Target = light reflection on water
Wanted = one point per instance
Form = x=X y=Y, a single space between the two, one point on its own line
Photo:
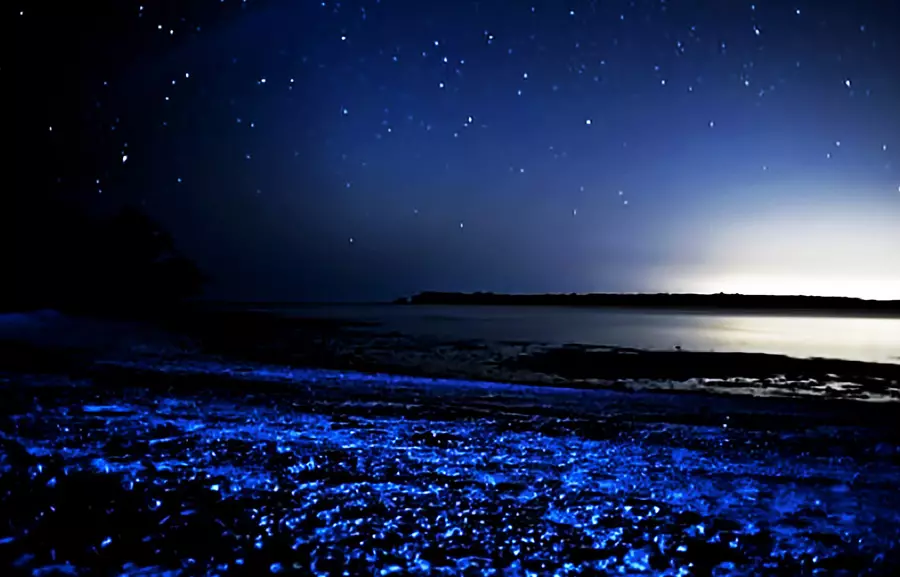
x=800 y=335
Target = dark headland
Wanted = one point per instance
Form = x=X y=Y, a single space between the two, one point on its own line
x=718 y=301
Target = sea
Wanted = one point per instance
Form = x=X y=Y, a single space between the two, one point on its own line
x=803 y=334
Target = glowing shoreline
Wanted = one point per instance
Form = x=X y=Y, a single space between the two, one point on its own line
x=370 y=473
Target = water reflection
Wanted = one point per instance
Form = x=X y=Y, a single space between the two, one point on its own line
x=862 y=338
x=846 y=337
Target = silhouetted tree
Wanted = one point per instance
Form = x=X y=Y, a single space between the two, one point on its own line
x=125 y=264
x=136 y=267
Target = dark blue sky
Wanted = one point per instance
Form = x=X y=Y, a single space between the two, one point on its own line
x=368 y=149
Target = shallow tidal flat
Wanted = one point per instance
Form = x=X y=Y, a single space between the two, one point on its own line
x=360 y=346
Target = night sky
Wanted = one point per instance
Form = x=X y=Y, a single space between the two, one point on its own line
x=306 y=150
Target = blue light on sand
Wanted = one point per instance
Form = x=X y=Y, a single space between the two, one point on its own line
x=363 y=489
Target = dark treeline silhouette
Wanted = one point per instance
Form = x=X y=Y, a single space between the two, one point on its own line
x=125 y=264
x=661 y=300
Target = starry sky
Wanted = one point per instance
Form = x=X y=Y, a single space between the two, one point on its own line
x=367 y=149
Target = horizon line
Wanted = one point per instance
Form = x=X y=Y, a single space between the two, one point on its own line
x=545 y=294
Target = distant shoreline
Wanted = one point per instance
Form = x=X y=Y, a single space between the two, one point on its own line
x=664 y=301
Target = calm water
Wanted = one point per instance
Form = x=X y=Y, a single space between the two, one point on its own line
x=847 y=337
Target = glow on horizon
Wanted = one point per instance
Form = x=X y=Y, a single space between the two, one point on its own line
x=748 y=284
x=835 y=239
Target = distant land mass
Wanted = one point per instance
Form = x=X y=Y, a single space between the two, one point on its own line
x=718 y=301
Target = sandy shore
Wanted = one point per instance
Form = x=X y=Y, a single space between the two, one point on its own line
x=199 y=454
x=234 y=470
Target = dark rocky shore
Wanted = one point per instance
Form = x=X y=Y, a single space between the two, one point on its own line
x=201 y=450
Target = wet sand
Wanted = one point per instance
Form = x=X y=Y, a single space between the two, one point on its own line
x=208 y=470
x=192 y=459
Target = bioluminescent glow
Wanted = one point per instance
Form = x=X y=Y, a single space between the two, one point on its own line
x=275 y=486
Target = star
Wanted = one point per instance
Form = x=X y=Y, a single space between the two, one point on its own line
x=410 y=150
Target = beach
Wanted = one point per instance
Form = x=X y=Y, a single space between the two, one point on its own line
x=254 y=444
